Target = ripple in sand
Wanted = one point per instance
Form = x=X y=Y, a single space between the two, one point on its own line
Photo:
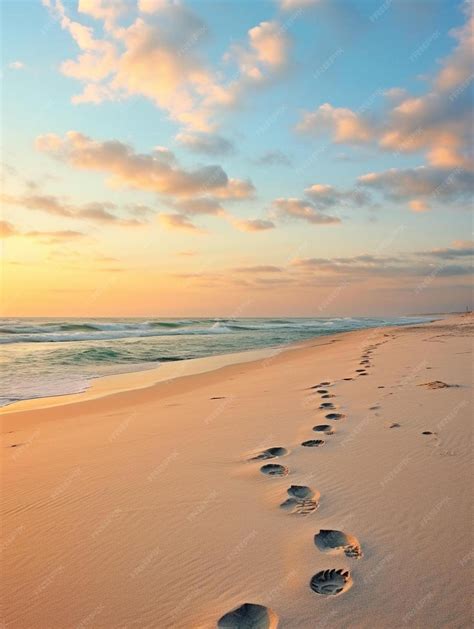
x=331 y=582
x=249 y=616
x=273 y=469
x=331 y=540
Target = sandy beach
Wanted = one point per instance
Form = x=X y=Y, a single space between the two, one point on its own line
x=147 y=506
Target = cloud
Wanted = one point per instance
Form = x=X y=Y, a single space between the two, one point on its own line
x=254 y=225
x=273 y=158
x=367 y=266
x=107 y=10
x=178 y=221
x=50 y=237
x=7 y=229
x=268 y=268
x=438 y=122
x=292 y=5
x=198 y=206
x=303 y=210
x=325 y=196
x=459 y=249
x=16 y=65
x=422 y=184
x=154 y=172
x=419 y=205
x=209 y=144
x=98 y=212
x=158 y=56
x=343 y=124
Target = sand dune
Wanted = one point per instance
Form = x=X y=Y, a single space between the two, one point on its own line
x=148 y=507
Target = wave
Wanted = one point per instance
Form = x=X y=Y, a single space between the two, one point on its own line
x=94 y=330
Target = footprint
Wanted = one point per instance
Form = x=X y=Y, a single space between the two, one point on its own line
x=270 y=453
x=335 y=416
x=394 y=425
x=302 y=500
x=326 y=396
x=220 y=397
x=437 y=384
x=364 y=374
x=326 y=405
x=360 y=370
x=324 y=384
x=331 y=582
x=428 y=432
x=313 y=443
x=326 y=428
x=324 y=391
x=330 y=540
x=273 y=469
x=348 y=378
x=248 y=616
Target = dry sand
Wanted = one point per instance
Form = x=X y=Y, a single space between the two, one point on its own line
x=147 y=507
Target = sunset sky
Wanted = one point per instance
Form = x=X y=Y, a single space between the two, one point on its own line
x=287 y=157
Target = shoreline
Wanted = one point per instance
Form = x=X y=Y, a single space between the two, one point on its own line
x=101 y=386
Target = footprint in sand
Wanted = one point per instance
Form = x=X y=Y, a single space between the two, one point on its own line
x=336 y=541
x=395 y=425
x=325 y=428
x=331 y=582
x=313 y=443
x=247 y=616
x=324 y=384
x=348 y=379
x=326 y=396
x=437 y=384
x=326 y=405
x=360 y=370
x=322 y=391
x=302 y=500
x=273 y=469
x=270 y=453
x=335 y=416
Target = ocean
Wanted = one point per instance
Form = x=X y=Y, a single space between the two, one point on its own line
x=45 y=357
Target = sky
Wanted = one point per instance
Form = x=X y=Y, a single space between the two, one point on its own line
x=270 y=158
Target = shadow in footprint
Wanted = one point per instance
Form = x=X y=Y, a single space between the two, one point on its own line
x=270 y=453
x=313 y=443
x=327 y=429
x=302 y=500
x=249 y=615
x=328 y=540
x=273 y=469
x=335 y=416
x=326 y=405
x=331 y=582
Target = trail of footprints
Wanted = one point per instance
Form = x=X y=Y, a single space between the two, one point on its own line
x=303 y=500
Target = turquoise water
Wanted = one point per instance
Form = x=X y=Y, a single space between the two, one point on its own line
x=43 y=357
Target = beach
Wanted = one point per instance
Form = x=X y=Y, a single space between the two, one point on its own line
x=144 y=504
